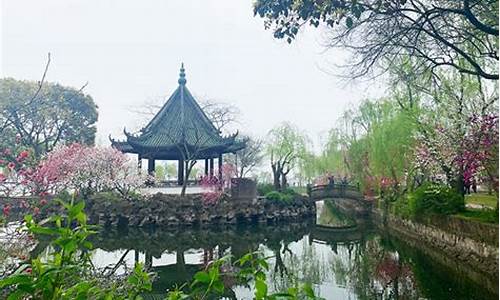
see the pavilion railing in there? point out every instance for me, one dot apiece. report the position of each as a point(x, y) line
point(173, 183)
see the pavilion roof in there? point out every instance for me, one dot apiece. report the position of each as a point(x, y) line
point(180, 125)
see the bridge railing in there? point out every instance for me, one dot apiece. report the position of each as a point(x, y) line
point(318, 192)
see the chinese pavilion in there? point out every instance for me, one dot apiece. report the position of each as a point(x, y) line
point(180, 131)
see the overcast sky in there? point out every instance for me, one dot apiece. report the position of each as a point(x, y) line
point(130, 52)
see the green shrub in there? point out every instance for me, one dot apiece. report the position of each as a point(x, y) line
point(66, 271)
point(480, 215)
point(289, 191)
point(401, 207)
point(264, 188)
point(252, 267)
point(434, 199)
point(281, 197)
point(287, 197)
point(274, 195)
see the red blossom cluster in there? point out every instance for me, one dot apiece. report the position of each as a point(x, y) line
point(213, 186)
point(468, 154)
point(386, 182)
point(480, 146)
point(16, 180)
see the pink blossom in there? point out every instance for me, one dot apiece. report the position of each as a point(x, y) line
point(214, 186)
point(11, 165)
point(76, 167)
point(466, 152)
point(36, 210)
point(6, 209)
point(23, 155)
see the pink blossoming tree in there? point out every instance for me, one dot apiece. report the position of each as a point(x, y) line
point(87, 169)
point(462, 157)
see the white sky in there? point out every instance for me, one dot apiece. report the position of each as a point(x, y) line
point(130, 53)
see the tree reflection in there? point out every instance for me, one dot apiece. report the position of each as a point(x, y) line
point(302, 264)
point(349, 262)
point(375, 273)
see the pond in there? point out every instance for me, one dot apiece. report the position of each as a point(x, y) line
point(341, 263)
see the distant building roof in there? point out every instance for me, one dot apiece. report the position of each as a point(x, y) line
point(180, 127)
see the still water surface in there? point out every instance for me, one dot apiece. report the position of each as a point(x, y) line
point(351, 263)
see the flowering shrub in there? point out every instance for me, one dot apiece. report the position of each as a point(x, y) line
point(15, 171)
point(87, 169)
point(466, 155)
point(15, 175)
point(481, 149)
point(76, 168)
point(213, 187)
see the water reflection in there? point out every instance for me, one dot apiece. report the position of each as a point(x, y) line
point(341, 264)
point(328, 215)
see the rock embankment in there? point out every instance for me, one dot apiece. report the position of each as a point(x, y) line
point(451, 240)
point(173, 210)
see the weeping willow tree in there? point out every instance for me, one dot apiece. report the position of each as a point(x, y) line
point(391, 148)
point(382, 146)
point(286, 146)
point(331, 160)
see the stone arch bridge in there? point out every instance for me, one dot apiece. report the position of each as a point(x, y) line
point(346, 197)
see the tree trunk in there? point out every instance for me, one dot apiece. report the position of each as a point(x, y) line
point(183, 190)
point(284, 182)
point(276, 167)
point(189, 167)
point(460, 185)
point(277, 183)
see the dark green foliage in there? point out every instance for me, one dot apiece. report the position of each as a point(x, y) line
point(378, 32)
point(400, 208)
point(252, 267)
point(55, 115)
point(480, 215)
point(289, 191)
point(66, 272)
point(434, 199)
point(264, 188)
point(286, 196)
point(274, 195)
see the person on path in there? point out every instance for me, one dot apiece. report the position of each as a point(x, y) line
point(467, 187)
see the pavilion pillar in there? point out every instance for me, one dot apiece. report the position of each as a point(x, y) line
point(211, 167)
point(151, 166)
point(180, 172)
point(219, 161)
point(206, 166)
point(148, 260)
point(139, 163)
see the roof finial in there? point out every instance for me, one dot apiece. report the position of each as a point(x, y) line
point(182, 75)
